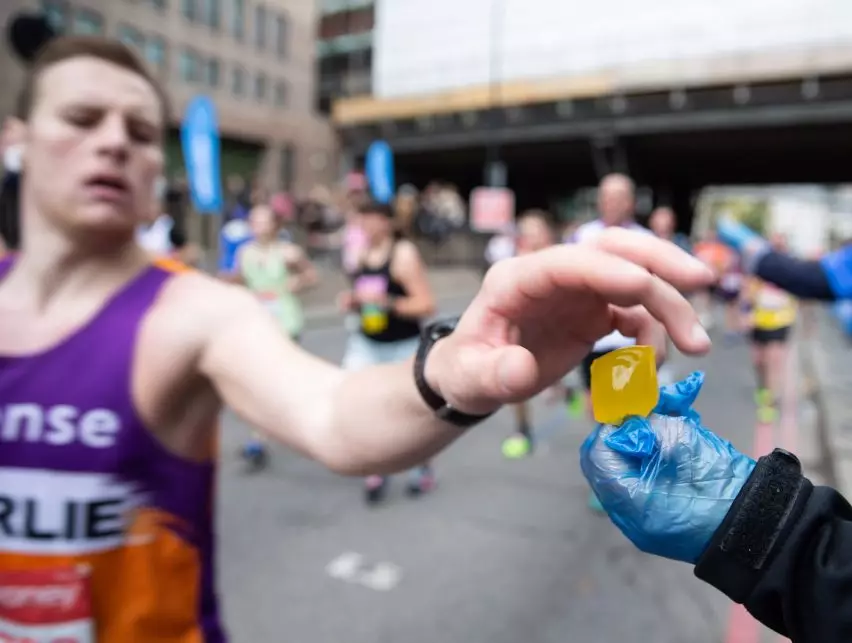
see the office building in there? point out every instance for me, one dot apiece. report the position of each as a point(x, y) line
point(345, 50)
point(255, 59)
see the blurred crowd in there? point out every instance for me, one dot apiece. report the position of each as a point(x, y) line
point(323, 221)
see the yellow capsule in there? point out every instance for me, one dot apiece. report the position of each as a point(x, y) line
point(624, 382)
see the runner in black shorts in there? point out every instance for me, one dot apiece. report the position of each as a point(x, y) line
point(763, 337)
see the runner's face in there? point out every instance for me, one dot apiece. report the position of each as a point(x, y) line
point(533, 235)
point(94, 146)
point(376, 226)
point(262, 222)
point(615, 202)
point(662, 223)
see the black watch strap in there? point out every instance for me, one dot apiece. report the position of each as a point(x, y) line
point(429, 336)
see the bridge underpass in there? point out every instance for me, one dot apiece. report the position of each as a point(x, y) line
point(674, 142)
point(674, 165)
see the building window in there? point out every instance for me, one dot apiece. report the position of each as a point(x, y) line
point(238, 19)
point(56, 12)
point(281, 93)
point(282, 28)
point(211, 72)
point(188, 66)
point(238, 81)
point(131, 37)
point(260, 27)
point(260, 87)
point(211, 13)
point(187, 8)
point(88, 22)
point(155, 52)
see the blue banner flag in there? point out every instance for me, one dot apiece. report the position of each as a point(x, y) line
point(379, 171)
point(201, 149)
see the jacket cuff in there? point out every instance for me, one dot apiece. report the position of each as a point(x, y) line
point(763, 512)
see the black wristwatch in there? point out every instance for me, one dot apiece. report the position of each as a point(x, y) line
point(429, 335)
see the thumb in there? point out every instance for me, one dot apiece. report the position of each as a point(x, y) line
point(635, 439)
point(508, 374)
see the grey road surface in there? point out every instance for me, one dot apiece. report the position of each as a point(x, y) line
point(501, 552)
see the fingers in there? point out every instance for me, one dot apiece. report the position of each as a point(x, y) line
point(508, 373)
point(638, 322)
point(622, 282)
point(657, 256)
point(513, 371)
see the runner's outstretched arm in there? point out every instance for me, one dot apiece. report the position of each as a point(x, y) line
point(534, 319)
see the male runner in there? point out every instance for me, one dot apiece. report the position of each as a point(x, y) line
point(616, 209)
point(113, 371)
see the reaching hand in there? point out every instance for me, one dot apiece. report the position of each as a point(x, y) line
point(666, 481)
point(537, 316)
point(740, 238)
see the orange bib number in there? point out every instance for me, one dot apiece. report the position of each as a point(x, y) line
point(46, 606)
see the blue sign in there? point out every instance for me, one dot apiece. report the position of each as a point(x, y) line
point(233, 236)
point(379, 171)
point(201, 149)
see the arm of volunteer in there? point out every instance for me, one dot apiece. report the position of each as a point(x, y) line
point(785, 551)
point(372, 421)
point(824, 280)
point(837, 267)
point(408, 270)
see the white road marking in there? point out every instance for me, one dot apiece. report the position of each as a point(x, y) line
point(346, 566)
point(382, 578)
point(351, 567)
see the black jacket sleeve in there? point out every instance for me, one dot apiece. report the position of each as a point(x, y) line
point(803, 279)
point(785, 551)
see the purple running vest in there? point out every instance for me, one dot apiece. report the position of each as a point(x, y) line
point(83, 481)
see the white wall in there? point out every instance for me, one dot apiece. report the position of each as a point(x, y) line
point(427, 47)
point(804, 222)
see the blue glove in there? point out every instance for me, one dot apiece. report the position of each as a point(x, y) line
point(837, 267)
point(666, 481)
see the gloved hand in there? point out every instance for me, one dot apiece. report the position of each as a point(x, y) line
point(666, 481)
point(747, 243)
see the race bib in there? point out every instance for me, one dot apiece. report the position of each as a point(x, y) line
point(46, 606)
point(374, 318)
point(772, 299)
